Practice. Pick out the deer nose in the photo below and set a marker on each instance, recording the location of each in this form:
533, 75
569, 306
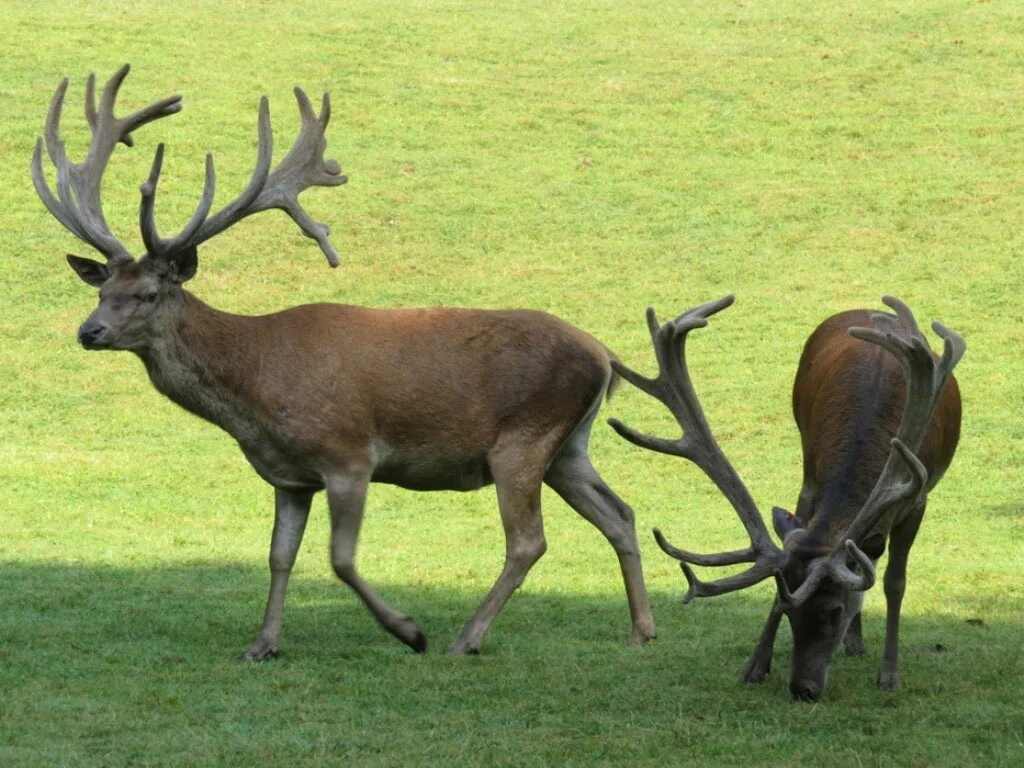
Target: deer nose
804, 690
91, 333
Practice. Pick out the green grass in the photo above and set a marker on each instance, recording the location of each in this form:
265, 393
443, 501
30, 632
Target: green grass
588, 159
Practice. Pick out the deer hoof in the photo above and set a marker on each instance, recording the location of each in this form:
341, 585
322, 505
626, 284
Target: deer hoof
463, 648
406, 630
888, 679
418, 642
755, 670
261, 650
642, 635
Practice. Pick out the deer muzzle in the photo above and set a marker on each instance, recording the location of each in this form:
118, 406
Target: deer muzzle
93, 334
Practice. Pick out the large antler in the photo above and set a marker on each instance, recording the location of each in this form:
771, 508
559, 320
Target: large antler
926, 379
303, 167
77, 203
894, 490
904, 479
675, 390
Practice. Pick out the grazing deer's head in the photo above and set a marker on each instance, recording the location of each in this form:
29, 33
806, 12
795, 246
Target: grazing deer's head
137, 297
819, 587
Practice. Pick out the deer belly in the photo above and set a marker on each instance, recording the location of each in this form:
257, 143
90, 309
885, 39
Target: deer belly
424, 470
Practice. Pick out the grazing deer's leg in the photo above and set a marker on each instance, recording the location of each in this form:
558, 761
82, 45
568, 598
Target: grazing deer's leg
518, 486
854, 640
900, 541
574, 478
346, 497
290, 515
759, 664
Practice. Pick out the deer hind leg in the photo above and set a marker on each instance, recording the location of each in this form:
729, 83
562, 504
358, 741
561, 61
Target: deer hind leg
518, 486
291, 510
346, 497
900, 541
573, 477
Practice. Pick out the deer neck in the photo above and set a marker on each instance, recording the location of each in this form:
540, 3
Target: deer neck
207, 362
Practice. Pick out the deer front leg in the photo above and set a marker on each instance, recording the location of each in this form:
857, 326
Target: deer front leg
346, 497
759, 664
900, 542
291, 510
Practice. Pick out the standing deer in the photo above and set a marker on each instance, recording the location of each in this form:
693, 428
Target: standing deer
333, 397
879, 418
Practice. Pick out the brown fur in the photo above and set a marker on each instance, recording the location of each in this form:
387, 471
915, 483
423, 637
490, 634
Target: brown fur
848, 399
333, 397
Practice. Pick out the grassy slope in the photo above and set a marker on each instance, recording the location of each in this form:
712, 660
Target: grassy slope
584, 159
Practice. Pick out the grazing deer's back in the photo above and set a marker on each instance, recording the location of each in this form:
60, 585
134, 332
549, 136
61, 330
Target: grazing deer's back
848, 399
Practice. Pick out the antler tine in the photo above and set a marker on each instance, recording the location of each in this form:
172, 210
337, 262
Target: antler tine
303, 167
674, 389
748, 578
672, 385
747, 555
926, 379
236, 210
78, 184
889, 492
156, 246
53, 205
841, 572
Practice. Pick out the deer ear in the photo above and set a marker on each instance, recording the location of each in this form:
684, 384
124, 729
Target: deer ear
92, 272
785, 522
184, 265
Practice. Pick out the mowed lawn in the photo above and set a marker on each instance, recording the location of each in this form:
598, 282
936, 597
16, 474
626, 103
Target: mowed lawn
588, 159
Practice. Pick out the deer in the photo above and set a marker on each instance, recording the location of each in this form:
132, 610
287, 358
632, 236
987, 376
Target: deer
879, 420
333, 397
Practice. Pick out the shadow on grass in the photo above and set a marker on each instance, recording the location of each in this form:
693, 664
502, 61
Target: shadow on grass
208, 612
104, 665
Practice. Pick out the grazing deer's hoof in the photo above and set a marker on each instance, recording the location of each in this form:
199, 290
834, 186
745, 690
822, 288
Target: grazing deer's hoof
888, 679
756, 669
261, 650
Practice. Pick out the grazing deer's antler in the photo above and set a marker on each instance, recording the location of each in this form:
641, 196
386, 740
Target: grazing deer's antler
78, 184
894, 490
926, 376
674, 389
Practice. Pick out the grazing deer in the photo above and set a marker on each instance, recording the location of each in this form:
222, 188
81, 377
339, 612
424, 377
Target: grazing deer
333, 397
879, 417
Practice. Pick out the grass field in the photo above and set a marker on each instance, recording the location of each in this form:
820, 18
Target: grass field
583, 158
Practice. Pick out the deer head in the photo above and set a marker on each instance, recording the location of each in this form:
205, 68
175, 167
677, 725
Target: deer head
139, 296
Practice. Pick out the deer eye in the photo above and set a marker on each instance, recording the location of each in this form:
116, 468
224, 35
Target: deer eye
149, 297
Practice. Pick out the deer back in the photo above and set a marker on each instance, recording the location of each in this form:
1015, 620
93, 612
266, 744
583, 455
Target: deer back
848, 400
421, 394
